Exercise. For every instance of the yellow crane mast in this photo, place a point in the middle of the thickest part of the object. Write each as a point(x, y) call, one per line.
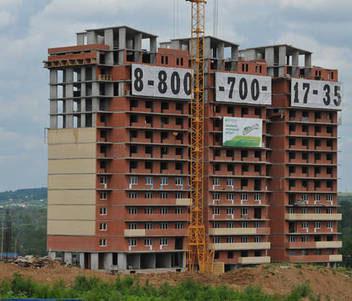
point(199, 257)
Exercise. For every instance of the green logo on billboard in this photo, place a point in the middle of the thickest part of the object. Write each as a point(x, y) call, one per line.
point(242, 132)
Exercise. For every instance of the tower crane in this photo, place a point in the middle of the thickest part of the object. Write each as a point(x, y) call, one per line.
point(199, 257)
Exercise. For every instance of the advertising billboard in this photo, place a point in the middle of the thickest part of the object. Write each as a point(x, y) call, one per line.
point(154, 81)
point(243, 88)
point(316, 94)
point(242, 132)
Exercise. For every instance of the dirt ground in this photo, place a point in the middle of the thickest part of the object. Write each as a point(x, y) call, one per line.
point(330, 284)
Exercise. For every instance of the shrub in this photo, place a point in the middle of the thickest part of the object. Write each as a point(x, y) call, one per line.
point(129, 289)
point(299, 292)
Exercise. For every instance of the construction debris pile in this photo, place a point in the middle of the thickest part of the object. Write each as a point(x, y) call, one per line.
point(30, 261)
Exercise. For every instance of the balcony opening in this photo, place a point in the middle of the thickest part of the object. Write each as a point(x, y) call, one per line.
point(89, 120)
point(257, 185)
point(257, 213)
point(178, 243)
point(292, 228)
point(89, 73)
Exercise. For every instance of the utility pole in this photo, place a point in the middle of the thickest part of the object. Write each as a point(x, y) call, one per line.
point(7, 234)
point(2, 239)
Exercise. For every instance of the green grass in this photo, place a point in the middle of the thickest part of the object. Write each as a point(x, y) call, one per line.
point(129, 289)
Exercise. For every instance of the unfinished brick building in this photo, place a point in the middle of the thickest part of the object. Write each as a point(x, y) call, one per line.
point(119, 153)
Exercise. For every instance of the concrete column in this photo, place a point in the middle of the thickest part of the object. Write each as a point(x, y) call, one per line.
point(295, 63)
point(282, 56)
point(95, 104)
point(83, 104)
point(109, 58)
point(53, 76)
point(53, 122)
point(69, 121)
point(80, 38)
point(68, 90)
point(53, 106)
point(109, 89)
point(94, 120)
point(94, 73)
point(52, 255)
point(53, 91)
point(153, 45)
point(234, 53)
point(83, 90)
point(121, 57)
point(121, 89)
point(95, 89)
point(269, 56)
point(220, 54)
point(69, 106)
point(69, 75)
point(122, 38)
point(109, 37)
point(137, 46)
point(295, 59)
point(83, 74)
point(308, 60)
point(153, 258)
point(207, 48)
point(83, 120)
point(271, 71)
point(184, 260)
point(282, 60)
point(68, 258)
point(108, 261)
point(138, 41)
point(122, 261)
point(94, 261)
point(91, 37)
point(81, 260)
point(153, 50)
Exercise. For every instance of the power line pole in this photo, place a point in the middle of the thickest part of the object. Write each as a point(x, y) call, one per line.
point(7, 234)
point(2, 239)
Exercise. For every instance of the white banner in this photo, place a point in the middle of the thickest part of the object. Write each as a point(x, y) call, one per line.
point(316, 94)
point(243, 88)
point(161, 81)
point(242, 132)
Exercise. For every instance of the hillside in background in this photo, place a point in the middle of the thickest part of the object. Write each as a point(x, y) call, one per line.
point(345, 202)
point(27, 209)
point(28, 215)
point(24, 196)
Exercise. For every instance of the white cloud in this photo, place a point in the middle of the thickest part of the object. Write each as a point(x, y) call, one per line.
point(314, 4)
point(6, 19)
point(10, 3)
point(23, 81)
point(15, 141)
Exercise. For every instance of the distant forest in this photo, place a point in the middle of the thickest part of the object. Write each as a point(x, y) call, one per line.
point(345, 202)
point(29, 221)
point(24, 195)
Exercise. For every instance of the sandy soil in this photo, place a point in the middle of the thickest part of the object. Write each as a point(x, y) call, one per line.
point(274, 278)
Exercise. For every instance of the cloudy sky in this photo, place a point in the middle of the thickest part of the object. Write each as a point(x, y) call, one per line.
point(29, 27)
